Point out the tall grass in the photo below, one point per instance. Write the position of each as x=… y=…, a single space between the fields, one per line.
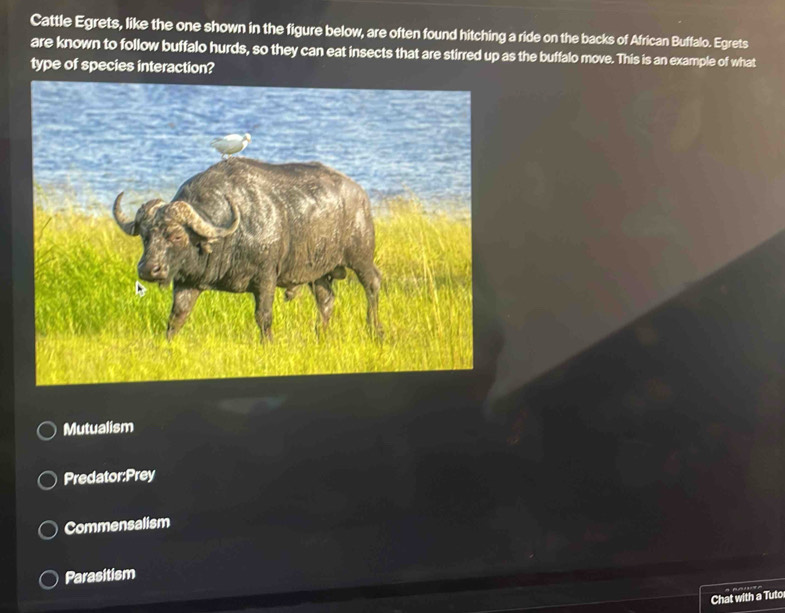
x=92 y=328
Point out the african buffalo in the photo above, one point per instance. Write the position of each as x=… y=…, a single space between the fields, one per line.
x=246 y=226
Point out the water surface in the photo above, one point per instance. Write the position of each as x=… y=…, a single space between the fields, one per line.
x=97 y=139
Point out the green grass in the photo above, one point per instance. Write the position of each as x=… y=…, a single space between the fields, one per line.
x=91 y=328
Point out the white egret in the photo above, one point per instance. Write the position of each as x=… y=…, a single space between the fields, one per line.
x=231 y=144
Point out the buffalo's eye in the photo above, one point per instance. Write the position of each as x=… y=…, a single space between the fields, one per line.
x=176 y=237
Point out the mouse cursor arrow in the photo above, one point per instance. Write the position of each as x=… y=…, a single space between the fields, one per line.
x=140 y=289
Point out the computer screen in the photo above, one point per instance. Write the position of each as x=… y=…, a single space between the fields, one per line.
x=351 y=305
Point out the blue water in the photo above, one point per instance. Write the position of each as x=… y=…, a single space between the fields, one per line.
x=95 y=140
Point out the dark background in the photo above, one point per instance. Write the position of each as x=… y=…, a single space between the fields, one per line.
x=624 y=415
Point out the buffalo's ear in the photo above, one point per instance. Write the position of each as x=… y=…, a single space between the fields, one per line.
x=205 y=246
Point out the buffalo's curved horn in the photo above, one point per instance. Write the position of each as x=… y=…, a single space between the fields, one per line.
x=126 y=224
x=185 y=214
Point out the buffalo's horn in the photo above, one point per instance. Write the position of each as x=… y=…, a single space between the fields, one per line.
x=185 y=214
x=127 y=224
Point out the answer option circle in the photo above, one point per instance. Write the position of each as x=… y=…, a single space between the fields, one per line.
x=47 y=480
x=48 y=530
x=48 y=580
x=46 y=430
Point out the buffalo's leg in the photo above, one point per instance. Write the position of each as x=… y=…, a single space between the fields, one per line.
x=263 y=294
x=183 y=301
x=371 y=280
x=325 y=299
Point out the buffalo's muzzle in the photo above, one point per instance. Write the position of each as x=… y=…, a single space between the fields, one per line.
x=154 y=273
